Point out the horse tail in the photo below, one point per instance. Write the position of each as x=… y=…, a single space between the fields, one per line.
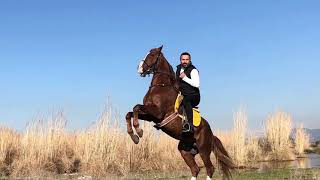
x=225 y=162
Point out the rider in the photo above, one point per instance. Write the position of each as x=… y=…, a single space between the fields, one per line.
x=188 y=78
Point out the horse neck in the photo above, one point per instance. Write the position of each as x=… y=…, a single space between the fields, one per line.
x=165 y=75
x=164 y=67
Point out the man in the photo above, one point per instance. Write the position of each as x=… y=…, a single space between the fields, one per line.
x=188 y=78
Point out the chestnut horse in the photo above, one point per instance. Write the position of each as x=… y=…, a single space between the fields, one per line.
x=158 y=104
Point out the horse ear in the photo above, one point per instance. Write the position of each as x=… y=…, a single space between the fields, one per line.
x=160 y=48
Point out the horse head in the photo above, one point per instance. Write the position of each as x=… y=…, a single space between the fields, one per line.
x=149 y=64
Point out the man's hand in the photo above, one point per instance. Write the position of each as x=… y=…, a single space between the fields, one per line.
x=182 y=75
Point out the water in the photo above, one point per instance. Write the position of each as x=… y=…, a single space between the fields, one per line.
x=312 y=161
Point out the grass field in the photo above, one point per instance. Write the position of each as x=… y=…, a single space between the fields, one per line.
x=298 y=174
x=278 y=174
x=46 y=148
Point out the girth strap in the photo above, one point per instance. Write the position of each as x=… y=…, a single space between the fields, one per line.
x=166 y=120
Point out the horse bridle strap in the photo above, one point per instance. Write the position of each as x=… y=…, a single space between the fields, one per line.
x=152 y=67
x=149 y=67
x=161 y=85
x=166 y=120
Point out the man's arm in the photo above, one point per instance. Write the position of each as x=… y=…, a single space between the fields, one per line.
x=194 y=81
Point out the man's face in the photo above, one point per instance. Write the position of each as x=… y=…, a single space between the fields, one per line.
x=185 y=60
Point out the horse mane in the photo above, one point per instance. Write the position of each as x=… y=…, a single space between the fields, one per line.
x=170 y=67
x=171 y=71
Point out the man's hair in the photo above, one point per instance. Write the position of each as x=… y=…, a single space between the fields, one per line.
x=185 y=53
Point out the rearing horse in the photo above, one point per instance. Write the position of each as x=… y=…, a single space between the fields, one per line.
x=158 y=104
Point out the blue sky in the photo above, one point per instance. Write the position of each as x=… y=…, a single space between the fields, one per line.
x=72 y=55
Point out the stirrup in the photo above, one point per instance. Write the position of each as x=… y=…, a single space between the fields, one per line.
x=187 y=127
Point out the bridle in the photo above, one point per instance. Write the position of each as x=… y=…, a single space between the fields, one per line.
x=151 y=68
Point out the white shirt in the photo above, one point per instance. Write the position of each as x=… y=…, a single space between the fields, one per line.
x=194 y=81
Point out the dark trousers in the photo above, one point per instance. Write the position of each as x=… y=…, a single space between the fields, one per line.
x=189 y=102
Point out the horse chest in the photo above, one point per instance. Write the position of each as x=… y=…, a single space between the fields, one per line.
x=153 y=100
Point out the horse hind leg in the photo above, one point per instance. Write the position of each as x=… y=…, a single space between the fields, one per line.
x=134 y=137
x=208 y=164
x=191 y=162
x=205 y=149
x=189 y=159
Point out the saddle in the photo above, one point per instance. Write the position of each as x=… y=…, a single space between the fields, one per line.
x=182 y=113
x=179 y=111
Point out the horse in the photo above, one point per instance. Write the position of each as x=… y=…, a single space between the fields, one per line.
x=158 y=106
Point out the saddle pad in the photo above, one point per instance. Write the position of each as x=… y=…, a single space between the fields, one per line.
x=177 y=102
x=196 y=117
x=196 y=112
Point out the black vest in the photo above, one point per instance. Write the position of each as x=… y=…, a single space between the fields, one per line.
x=184 y=87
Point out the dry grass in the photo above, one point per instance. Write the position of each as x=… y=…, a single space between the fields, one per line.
x=9 y=141
x=47 y=148
x=253 y=149
x=241 y=147
x=44 y=147
x=274 y=145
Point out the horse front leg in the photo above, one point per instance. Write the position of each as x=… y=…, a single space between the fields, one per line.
x=133 y=136
x=136 y=115
x=144 y=112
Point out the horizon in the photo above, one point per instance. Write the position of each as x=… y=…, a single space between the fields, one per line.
x=74 y=55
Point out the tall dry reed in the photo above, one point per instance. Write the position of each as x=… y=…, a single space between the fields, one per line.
x=277 y=130
x=253 y=149
x=9 y=141
x=245 y=147
x=301 y=140
x=235 y=140
x=45 y=148
x=238 y=151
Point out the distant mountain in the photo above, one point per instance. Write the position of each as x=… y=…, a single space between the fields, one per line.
x=314 y=134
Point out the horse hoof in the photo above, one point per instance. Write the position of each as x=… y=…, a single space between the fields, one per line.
x=139 y=132
x=135 y=138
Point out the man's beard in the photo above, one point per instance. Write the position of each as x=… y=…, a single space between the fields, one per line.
x=185 y=65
